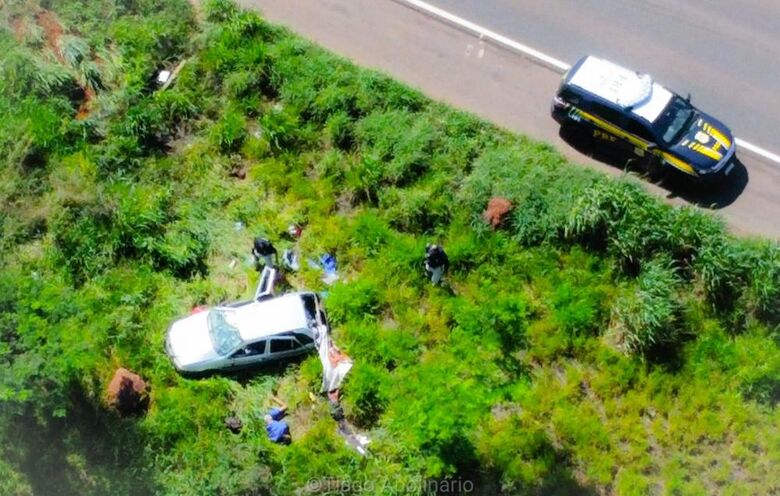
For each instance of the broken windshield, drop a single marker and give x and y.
(223, 331)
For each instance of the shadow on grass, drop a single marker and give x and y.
(559, 481)
(677, 184)
(88, 451)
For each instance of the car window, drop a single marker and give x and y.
(253, 349)
(303, 338)
(674, 120)
(310, 306)
(636, 128)
(284, 344)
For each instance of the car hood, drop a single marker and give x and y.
(188, 340)
(706, 143)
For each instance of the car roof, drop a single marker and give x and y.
(269, 317)
(621, 87)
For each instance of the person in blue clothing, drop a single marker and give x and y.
(277, 429)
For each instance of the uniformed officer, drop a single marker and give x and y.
(436, 262)
(264, 249)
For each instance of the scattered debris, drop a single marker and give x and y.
(127, 393)
(234, 424)
(358, 442)
(163, 77)
(266, 284)
(166, 77)
(326, 263)
(496, 211)
(335, 365)
(290, 259)
(294, 230)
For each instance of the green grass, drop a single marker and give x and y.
(600, 342)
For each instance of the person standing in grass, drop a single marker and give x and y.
(264, 249)
(436, 262)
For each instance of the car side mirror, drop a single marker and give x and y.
(688, 98)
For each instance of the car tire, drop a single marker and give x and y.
(652, 166)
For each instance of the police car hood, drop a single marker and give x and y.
(705, 144)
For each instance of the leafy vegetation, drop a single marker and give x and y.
(600, 342)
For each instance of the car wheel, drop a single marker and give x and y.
(652, 166)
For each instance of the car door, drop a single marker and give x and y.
(609, 126)
(642, 137)
(250, 354)
(282, 347)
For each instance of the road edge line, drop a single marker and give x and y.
(538, 56)
(756, 150)
(484, 32)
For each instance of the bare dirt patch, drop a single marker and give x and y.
(86, 104)
(52, 30)
(18, 27)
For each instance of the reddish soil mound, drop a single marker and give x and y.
(496, 211)
(18, 27)
(52, 29)
(86, 105)
(127, 393)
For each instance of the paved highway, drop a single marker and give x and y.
(726, 54)
(727, 57)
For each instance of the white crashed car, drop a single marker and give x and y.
(265, 329)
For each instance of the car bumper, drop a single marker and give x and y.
(722, 169)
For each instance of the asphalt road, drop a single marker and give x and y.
(727, 56)
(725, 53)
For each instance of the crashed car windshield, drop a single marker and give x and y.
(675, 119)
(224, 335)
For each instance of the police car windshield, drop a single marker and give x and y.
(674, 120)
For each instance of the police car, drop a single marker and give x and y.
(629, 110)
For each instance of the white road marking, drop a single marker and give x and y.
(757, 150)
(486, 33)
(552, 62)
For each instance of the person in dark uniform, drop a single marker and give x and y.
(436, 262)
(263, 249)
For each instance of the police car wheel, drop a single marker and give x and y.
(652, 166)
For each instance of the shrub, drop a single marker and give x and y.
(358, 299)
(399, 143)
(229, 132)
(280, 127)
(340, 131)
(365, 393)
(647, 315)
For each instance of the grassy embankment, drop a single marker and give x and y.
(600, 341)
